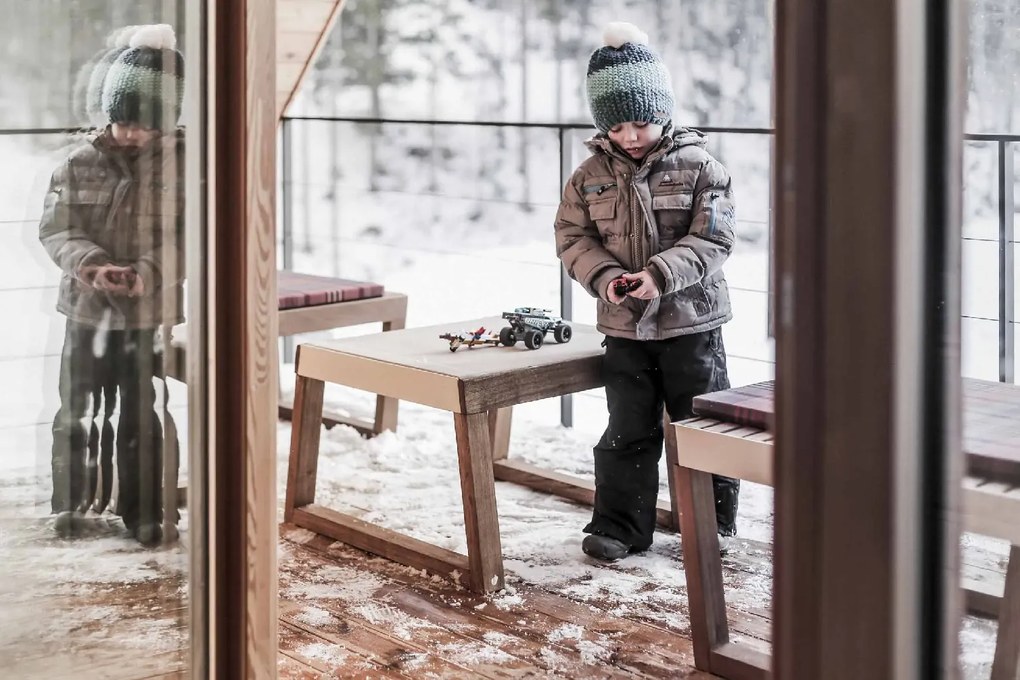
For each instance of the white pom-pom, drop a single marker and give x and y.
(156, 36)
(619, 33)
(123, 36)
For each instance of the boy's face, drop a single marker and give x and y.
(126, 134)
(636, 139)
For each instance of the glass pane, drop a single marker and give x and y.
(992, 110)
(95, 575)
(524, 60)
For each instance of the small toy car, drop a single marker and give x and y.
(530, 324)
(622, 286)
(471, 339)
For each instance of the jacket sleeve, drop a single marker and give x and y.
(60, 230)
(709, 242)
(579, 244)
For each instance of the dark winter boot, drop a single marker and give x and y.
(69, 524)
(604, 548)
(150, 535)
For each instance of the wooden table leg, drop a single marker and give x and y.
(702, 564)
(478, 488)
(671, 462)
(386, 407)
(499, 432)
(304, 444)
(1006, 663)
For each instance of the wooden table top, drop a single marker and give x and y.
(413, 363)
(991, 420)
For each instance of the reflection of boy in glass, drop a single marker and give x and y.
(113, 222)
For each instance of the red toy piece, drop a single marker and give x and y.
(622, 286)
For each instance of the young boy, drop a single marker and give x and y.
(645, 226)
(113, 223)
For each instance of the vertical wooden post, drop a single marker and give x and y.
(865, 453)
(1006, 664)
(243, 339)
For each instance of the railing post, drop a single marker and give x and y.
(1007, 270)
(566, 286)
(287, 217)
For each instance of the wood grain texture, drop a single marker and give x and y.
(303, 28)
(304, 444)
(261, 333)
(478, 490)
(260, 347)
(737, 662)
(383, 542)
(702, 564)
(243, 533)
(1006, 663)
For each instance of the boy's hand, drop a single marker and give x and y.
(617, 291)
(111, 278)
(641, 286)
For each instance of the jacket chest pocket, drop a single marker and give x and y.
(672, 215)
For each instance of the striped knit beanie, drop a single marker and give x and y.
(627, 81)
(94, 74)
(145, 85)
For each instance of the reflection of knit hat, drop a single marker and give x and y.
(145, 84)
(88, 86)
(627, 81)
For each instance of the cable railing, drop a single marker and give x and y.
(1005, 200)
(1006, 206)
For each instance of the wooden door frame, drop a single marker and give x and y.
(867, 385)
(233, 484)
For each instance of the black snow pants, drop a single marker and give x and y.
(94, 361)
(641, 377)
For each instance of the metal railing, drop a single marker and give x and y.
(1005, 206)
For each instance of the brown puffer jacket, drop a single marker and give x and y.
(111, 204)
(674, 215)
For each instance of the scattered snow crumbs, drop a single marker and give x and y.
(474, 653)
(313, 616)
(593, 653)
(508, 601)
(567, 631)
(321, 651)
(498, 639)
(380, 613)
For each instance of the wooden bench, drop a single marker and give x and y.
(307, 304)
(479, 387)
(732, 437)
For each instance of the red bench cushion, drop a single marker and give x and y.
(307, 290)
(750, 405)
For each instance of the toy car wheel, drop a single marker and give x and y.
(507, 337)
(533, 339)
(563, 333)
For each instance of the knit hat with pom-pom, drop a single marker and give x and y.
(145, 85)
(87, 102)
(627, 81)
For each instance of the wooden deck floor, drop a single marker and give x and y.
(347, 614)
